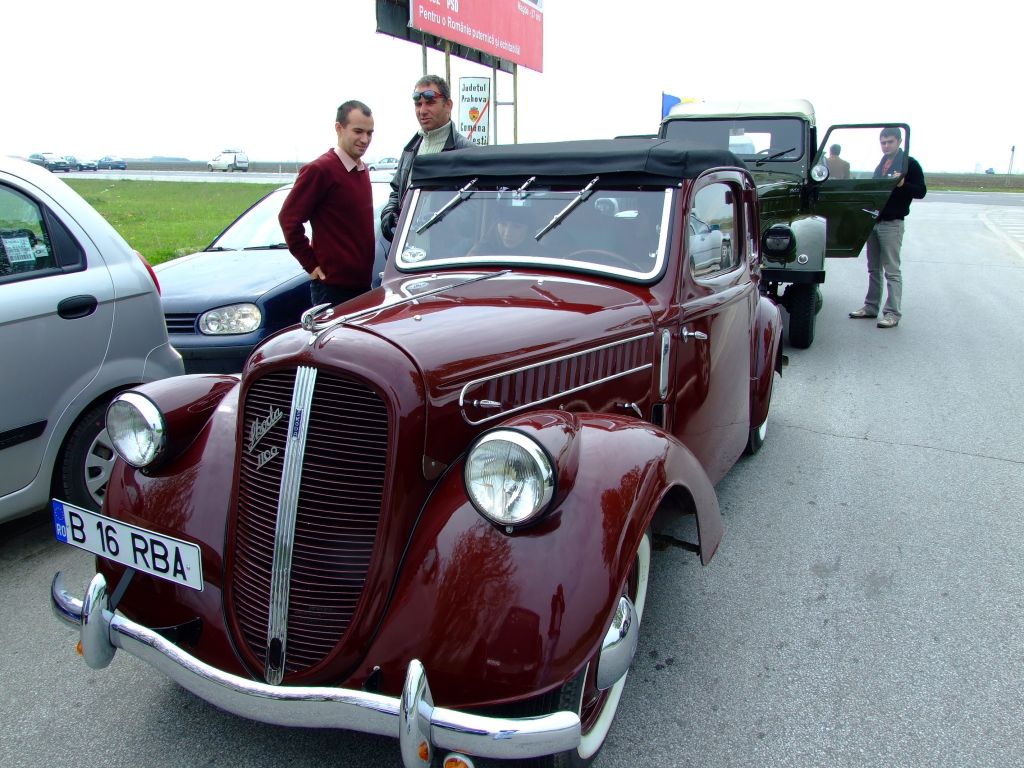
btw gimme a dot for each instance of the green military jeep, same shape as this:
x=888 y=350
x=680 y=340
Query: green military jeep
x=812 y=204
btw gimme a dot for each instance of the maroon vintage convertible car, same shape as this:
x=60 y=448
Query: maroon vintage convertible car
x=456 y=477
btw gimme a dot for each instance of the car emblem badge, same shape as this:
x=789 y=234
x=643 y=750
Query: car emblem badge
x=259 y=428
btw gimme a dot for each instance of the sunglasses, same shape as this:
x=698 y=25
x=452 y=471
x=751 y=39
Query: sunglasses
x=428 y=95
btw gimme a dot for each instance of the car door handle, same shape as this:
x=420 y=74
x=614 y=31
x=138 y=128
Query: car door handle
x=688 y=334
x=75 y=307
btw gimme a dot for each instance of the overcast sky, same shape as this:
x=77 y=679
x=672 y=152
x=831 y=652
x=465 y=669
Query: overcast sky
x=192 y=78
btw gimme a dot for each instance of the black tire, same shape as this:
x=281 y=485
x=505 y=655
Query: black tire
x=85 y=461
x=800 y=301
x=598 y=713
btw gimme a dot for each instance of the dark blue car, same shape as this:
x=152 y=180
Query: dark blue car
x=221 y=302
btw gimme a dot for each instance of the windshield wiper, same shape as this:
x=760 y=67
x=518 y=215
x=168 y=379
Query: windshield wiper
x=220 y=248
x=462 y=194
x=581 y=196
x=774 y=156
x=268 y=247
x=521 y=192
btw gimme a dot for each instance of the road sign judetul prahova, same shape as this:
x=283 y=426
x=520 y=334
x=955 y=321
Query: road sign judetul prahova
x=475 y=109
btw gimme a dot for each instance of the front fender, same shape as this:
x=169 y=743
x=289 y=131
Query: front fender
x=496 y=617
x=808 y=251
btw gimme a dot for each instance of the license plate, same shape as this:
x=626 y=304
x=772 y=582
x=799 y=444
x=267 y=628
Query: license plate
x=160 y=556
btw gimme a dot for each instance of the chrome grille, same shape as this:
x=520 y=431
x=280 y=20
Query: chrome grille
x=339 y=507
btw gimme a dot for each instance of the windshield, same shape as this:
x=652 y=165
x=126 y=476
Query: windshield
x=775 y=139
x=258 y=227
x=612 y=231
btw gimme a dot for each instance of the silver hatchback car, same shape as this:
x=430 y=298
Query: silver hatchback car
x=80 y=320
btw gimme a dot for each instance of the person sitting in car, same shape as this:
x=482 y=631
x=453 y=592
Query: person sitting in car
x=508 y=235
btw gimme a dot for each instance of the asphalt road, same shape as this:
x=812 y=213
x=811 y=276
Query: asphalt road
x=864 y=609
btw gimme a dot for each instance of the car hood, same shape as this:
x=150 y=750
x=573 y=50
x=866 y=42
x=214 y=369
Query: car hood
x=471 y=338
x=213 y=278
x=464 y=326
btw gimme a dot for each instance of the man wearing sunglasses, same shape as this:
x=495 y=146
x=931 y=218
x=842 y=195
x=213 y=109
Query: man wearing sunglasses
x=886 y=238
x=432 y=100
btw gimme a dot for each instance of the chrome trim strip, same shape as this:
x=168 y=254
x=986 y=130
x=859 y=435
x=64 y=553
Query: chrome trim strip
x=317 y=329
x=572 y=391
x=666 y=350
x=514 y=371
x=314 y=707
x=284 y=536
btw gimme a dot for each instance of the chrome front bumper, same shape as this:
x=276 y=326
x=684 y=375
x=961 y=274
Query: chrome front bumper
x=419 y=726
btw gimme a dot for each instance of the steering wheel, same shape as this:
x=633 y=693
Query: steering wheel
x=589 y=254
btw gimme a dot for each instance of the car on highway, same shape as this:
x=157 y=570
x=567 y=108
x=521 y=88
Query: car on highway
x=229 y=160
x=383 y=164
x=77 y=326
x=49 y=161
x=111 y=163
x=805 y=215
x=74 y=164
x=221 y=302
x=428 y=512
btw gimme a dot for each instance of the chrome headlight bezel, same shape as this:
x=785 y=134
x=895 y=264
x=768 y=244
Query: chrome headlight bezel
x=232 y=320
x=137 y=429
x=533 y=490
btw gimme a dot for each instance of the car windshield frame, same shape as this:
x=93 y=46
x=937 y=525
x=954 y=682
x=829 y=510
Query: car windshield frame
x=608 y=223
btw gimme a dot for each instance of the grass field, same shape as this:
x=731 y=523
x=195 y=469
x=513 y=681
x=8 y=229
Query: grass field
x=163 y=220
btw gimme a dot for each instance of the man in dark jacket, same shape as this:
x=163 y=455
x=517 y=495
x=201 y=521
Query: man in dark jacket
x=886 y=238
x=432 y=99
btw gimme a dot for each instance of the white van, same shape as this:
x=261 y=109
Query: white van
x=229 y=160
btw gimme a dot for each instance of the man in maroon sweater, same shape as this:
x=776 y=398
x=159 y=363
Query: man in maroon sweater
x=333 y=194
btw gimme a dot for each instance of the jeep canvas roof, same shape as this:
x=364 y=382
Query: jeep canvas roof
x=632 y=161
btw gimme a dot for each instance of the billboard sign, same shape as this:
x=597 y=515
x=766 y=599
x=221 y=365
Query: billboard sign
x=474 y=109
x=508 y=29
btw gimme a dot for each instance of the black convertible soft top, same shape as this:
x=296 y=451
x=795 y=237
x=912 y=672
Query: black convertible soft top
x=618 y=161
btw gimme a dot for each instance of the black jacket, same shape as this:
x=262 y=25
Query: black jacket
x=400 y=181
x=898 y=205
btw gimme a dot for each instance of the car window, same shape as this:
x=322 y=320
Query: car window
x=712 y=233
x=259 y=228
x=25 y=248
x=615 y=231
x=781 y=139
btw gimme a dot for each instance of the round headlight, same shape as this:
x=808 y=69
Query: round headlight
x=237 y=318
x=136 y=429
x=509 y=477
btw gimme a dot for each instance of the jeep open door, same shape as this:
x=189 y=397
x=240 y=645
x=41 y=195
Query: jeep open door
x=851 y=197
